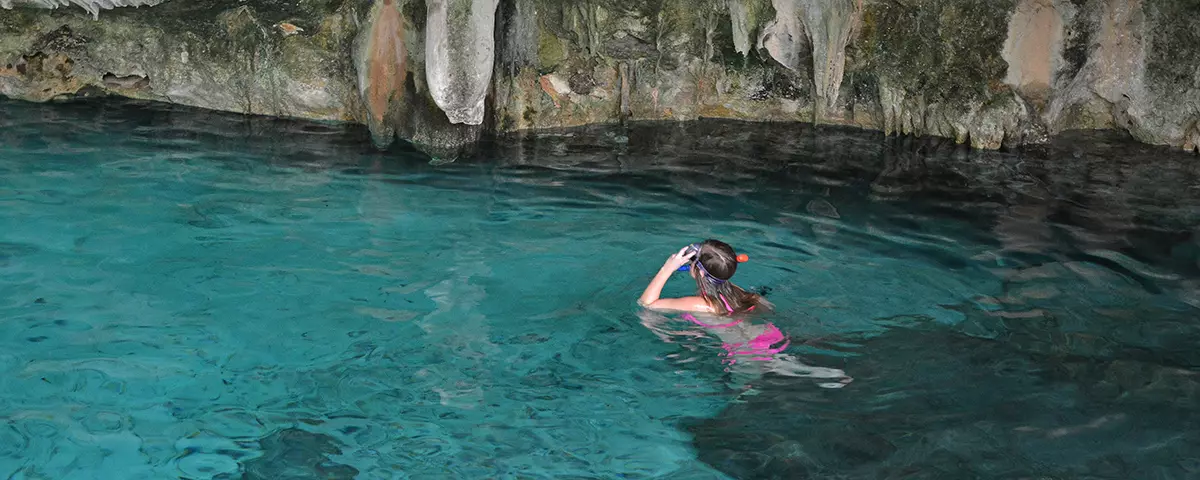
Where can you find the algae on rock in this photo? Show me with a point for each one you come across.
(91, 6)
(441, 73)
(234, 60)
(1172, 114)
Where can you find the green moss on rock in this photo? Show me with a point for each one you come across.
(1173, 56)
(551, 53)
(945, 50)
(202, 16)
(1077, 39)
(18, 20)
(415, 12)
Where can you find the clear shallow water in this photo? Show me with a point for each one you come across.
(193, 295)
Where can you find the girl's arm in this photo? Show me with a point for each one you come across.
(650, 299)
(654, 289)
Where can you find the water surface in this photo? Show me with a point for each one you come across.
(187, 294)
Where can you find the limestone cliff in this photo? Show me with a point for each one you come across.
(439, 73)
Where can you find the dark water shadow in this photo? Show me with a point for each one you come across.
(935, 403)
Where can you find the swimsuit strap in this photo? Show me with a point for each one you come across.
(694, 320)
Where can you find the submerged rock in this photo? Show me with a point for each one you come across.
(440, 73)
(297, 454)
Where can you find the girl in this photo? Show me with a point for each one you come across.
(712, 264)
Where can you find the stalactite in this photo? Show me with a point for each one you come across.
(739, 19)
(784, 37)
(382, 67)
(459, 52)
(830, 25)
(825, 26)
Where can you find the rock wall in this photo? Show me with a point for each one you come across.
(439, 73)
(244, 58)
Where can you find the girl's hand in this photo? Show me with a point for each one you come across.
(649, 297)
(683, 257)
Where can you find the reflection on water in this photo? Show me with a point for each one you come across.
(192, 294)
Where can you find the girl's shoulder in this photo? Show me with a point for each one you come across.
(693, 304)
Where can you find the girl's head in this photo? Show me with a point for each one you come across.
(713, 267)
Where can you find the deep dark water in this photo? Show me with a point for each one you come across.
(948, 405)
(1084, 366)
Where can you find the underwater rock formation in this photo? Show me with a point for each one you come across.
(440, 73)
(292, 453)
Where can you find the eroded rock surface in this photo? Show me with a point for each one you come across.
(439, 73)
(246, 59)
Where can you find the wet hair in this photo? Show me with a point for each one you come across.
(714, 266)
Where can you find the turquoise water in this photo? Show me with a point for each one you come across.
(194, 295)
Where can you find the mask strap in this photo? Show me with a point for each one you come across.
(706, 274)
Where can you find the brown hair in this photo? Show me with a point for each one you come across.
(714, 266)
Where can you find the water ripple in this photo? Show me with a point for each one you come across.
(190, 294)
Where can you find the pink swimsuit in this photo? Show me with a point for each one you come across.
(761, 346)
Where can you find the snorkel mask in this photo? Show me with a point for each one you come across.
(695, 248)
